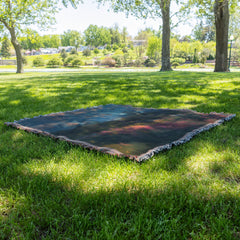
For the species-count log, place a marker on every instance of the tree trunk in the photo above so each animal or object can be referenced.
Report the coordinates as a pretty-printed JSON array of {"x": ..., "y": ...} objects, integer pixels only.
[
  {"x": 221, "y": 12},
  {"x": 165, "y": 8},
  {"x": 17, "y": 48}
]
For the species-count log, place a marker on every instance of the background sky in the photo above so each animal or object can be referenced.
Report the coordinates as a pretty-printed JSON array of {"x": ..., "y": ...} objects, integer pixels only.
[{"x": 89, "y": 13}]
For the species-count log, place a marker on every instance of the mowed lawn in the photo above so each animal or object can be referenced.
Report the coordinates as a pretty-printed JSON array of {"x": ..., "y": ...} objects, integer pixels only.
[{"x": 52, "y": 190}]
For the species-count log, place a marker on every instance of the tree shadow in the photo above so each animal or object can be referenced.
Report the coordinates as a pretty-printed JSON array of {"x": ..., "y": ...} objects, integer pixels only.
[{"x": 162, "y": 198}]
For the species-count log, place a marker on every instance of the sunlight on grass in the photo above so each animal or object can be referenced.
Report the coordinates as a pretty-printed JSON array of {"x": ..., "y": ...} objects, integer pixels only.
[{"x": 53, "y": 190}]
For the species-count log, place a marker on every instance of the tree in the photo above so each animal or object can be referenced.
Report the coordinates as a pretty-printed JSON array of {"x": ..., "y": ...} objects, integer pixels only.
[
  {"x": 144, "y": 35},
  {"x": 97, "y": 36},
  {"x": 221, "y": 10},
  {"x": 144, "y": 9},
  {"x": 31, "y": 41},
  {"x": 115, "y": 35},
  {"x": 124, "y": 35},
  {"x": 15, "y": 15},
  {"x": 51, "y": 41},
  {"x": 72, "y": 38},
  {"x": 154, "y": 48},
  {"x": 205, "y": 32},
  {"x": 234, "y": 25},
  {"x": 5, "y": 50}
]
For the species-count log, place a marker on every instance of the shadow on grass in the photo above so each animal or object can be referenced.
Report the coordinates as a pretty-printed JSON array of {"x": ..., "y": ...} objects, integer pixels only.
[
  {"x": 45, "y": 204},
  {"x": 109, "y": 198}
]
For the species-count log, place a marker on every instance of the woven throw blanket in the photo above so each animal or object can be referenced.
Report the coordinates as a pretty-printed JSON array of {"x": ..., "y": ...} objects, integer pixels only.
[{"x": 125, "y": 131}]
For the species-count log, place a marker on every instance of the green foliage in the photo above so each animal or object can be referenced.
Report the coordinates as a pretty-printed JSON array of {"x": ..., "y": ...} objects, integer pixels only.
[
  {"x": 31, "y": 40},
  {"x": 150, "y": 62},
  {"x": 105, "y": 51},
  {"x": 97, "y": 62},
  {"x": 77, "y": 62},
  {"x": 68, "y": 60},
  {"x": 53, "y": 190},
  {"x": 97, "y": 36},
  {"x": 86, "y": 52},
  {"x": 125, "y": 50},
  {"x": 17, "y": 14},
  {"x": 38, "y": 62},
  {"x": 115, "y": 47},
  {"x": 154, "y": 48},
  {"x": 24, "y": 60},
  {"x": 54, "y": 62},
  {"x": 71, "y": 38},
  {"x": 51, "y": 41},
  {"x": 109, "y": 47},
  {"x": 178, "y": 60},
  {"x": 5, "y": 49},
  {"x": 115, "y": 35},
  {"x": 73, "y": 61},
  {"x": 138, "y": 62},
  {"x": 74, "y": 51},
  {"x": 109, "y": 62},
  {"x": 96, "y": 50},
  {"x": 63, "y": 54},
  {"x": 119, "y": 60},
  {"x": 175, "y": 64}
]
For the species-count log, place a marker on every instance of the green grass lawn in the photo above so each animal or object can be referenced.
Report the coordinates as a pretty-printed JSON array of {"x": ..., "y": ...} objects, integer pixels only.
[{"x": 52, "y": 190}]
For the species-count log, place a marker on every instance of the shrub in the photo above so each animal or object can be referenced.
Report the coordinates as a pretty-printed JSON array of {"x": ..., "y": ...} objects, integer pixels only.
[
  {"x": 76, "y": 62},
  {"x": 119, "y": 60},
  {"x": 97, "y": 62},
  {"x": 68, "y": 60},
  {"x": 178, "y": 60},
  {"x": 86, "y": 52},
  {"x": 175, "y": 64},
  {"x": 109, "y": 61},
  {"x": 109, "y": 48},
  {"x": 24, "y": 60},
  {"x": 118, "y": 52},
  {"x": 74, "y": 51},
  {"x": 38, "y": 62},
  {"x": 125, "y": 50},
  {"x": 138, "y": 62},
  {"x": 96, "y": 50},
  {"x": 115, "y": 46},
  {"x": 105, "y": 52},
  {"x": 63, "y": 54},
  {"x": 54, "y": 62},
  {"x": 150, "y": 62}
]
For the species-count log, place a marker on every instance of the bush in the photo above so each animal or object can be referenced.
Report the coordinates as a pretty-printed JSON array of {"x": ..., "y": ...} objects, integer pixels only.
[
  {"x": 178, "y": 60},
  {"x": 38, "y": 62},
  {"x": 86, "y": 52},
  {"x": 119, "y": 60},
  {"x": 96, "y": 50},
  {"x": 175, "y": 64},
  {"x": 24, "y": 60},
  {"x": 54, "y": 62},
  {"x": 63, "y": 54},
  {"x": 109, "y": 61},
  {"x": 97, "y": 62},
  {"x": 76, "y": 62},
  {"x": 105, "y": 52},
  {"x": 109, "y": 48},
  {"x": 125, "y": 50},
  {"x": 68, "y": 60},
  {"x": 74, "y": 51},
  {"x": 138, "y": 62},
  {"x": 150, "y": 62},
  {"x": 115, "y": 46}
]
